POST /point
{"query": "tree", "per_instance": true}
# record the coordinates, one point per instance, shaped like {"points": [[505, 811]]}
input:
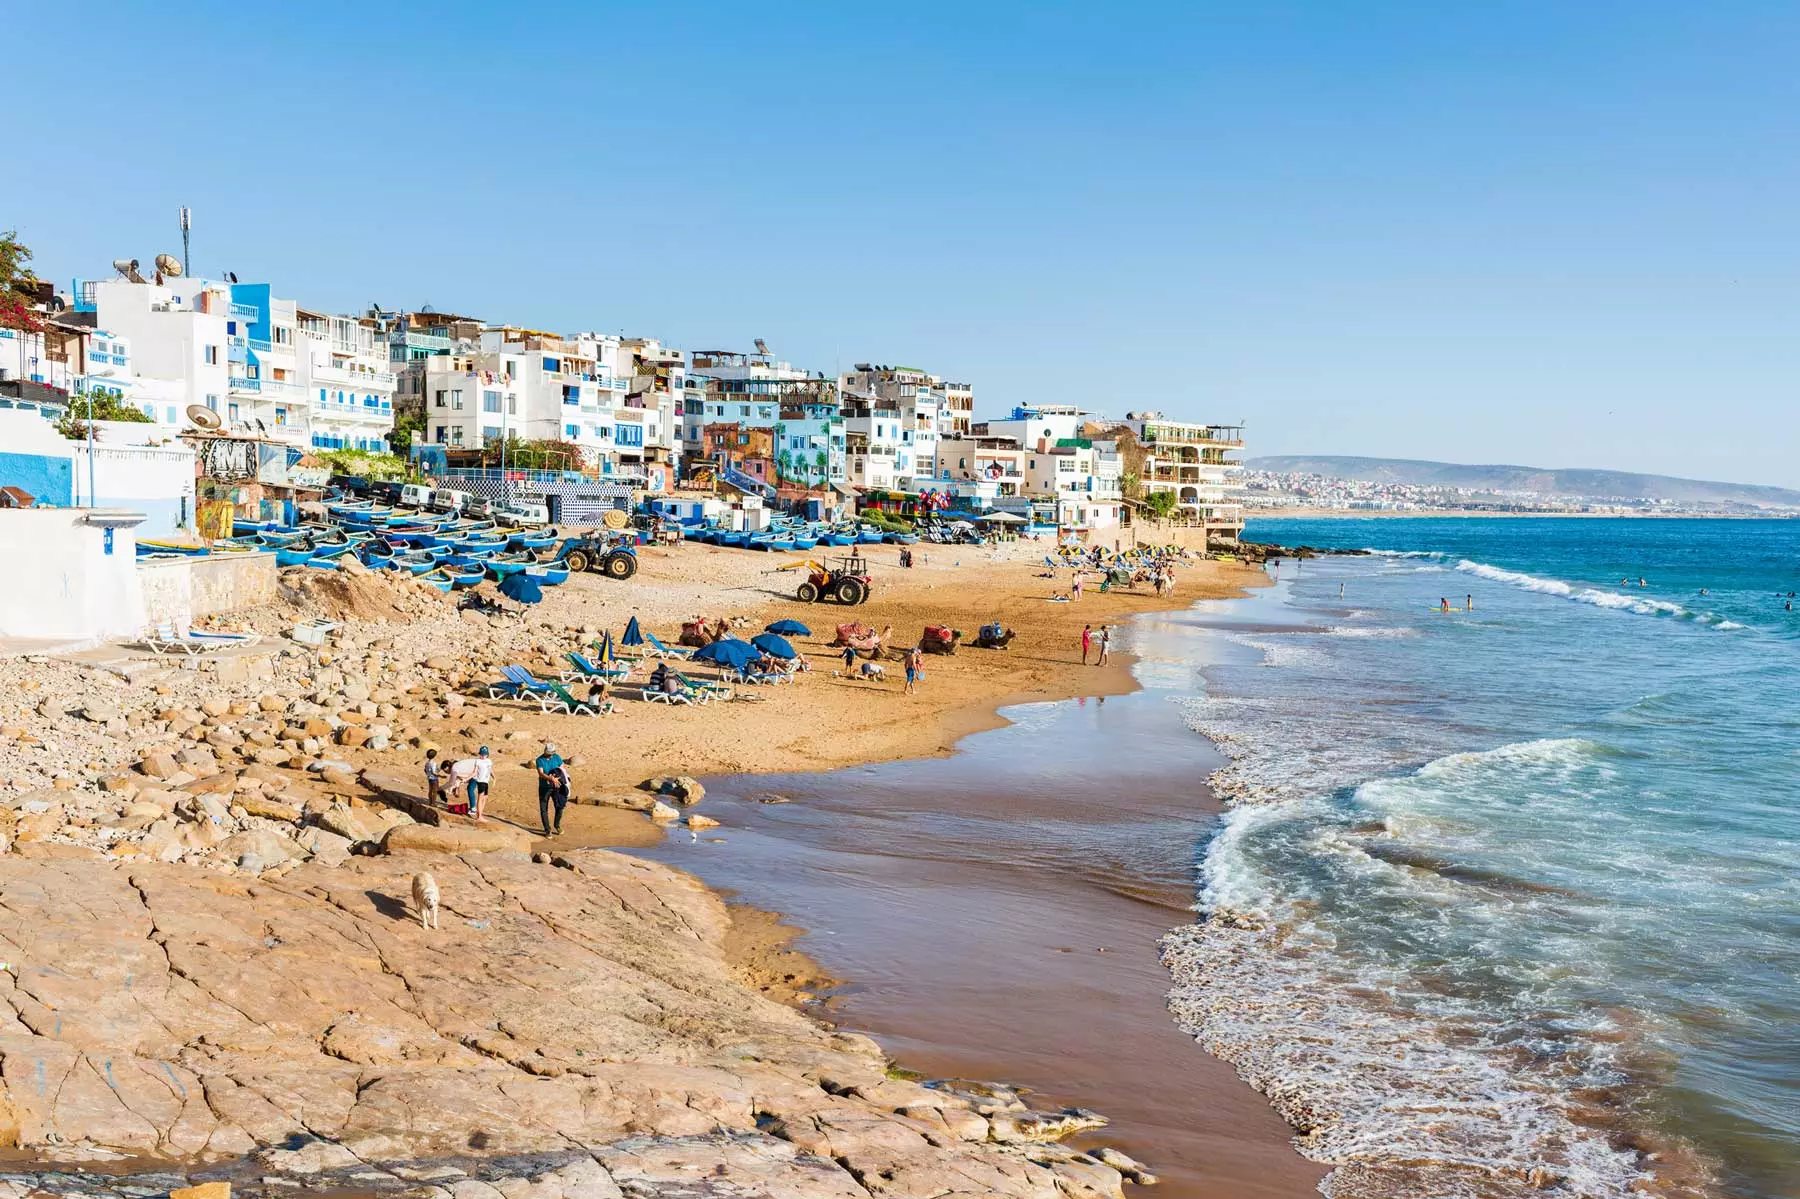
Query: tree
{"points": [[16, 282], [1161, 504], [106, 406], [405, 425]]}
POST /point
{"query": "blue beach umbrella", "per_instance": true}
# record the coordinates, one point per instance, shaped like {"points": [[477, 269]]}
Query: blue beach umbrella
{"points": [[789, 628], [633, 634], [605, 648], [774, 646], [730, 653], [521, 587]]}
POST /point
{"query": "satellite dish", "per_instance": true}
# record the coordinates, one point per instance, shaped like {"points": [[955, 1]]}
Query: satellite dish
{"points": [[203, 416], [168, 265]]}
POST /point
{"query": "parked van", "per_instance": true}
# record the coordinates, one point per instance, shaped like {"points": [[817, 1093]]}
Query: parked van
{"points": [[414, 495], [522, 512], [447, 500]]}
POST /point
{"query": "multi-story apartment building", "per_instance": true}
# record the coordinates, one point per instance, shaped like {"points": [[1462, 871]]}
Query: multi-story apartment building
{"points": [[1080, 477], [877, 447], [657, 391], [345, 376], [179, 337], [956, 414], [412, 338], [801, 409], [1192, 462], [919, 403]]}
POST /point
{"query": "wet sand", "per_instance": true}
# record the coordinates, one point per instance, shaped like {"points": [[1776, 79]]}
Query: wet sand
{"points": [[997, 913]]}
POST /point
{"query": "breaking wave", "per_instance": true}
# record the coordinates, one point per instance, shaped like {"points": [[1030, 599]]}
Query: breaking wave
{"points": [[1598, 597], [1410, 1088]]}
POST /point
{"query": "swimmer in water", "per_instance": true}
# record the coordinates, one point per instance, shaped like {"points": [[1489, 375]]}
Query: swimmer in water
{"points": [[1703, 591], [1641, 583], [1468, 603]]}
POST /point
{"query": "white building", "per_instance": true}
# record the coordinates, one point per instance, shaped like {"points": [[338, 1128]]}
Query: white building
{"points": [[1190, 461], [919, 403], [179, 338], [345, 375]]}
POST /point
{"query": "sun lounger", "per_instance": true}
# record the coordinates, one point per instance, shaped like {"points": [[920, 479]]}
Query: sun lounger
{"points": [[517, 682], [656, 695], [165, 638], [659, 650], [556, 698], [705, 690], [764, 676], [584, 669]]}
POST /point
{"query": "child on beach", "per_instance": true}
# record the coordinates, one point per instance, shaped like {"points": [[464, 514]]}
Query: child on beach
{"points": [[434, 778], [1087, 641], [1105, 640]]}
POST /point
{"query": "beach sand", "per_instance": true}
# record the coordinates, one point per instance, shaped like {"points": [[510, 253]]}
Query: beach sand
{"points": [[980, 965]]}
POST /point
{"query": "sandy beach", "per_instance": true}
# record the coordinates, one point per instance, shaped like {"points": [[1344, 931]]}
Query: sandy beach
{"points": [[1069, 1005]]}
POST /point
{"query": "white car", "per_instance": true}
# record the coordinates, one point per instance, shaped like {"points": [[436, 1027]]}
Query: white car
{"points": [[517, 512]]}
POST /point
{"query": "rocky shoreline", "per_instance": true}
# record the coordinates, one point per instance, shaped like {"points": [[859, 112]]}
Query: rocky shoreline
{"points": [[213, 972], [571, 1029]]}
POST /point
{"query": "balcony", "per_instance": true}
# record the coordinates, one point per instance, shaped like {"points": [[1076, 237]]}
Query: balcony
{"points": [[246, 312], [262, 345], [422, 341], [344, 377]]}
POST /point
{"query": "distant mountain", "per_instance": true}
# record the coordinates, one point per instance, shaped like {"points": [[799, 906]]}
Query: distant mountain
{"points": [[1589, 483]]}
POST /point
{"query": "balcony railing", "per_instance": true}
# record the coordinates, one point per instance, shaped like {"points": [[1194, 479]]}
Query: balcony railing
{"points": [[354, 378], [262, 345], [248, 312], [421, 341]]}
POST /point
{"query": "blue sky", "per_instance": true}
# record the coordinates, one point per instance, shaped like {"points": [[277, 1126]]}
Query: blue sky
{"points": [[1549, 233]]}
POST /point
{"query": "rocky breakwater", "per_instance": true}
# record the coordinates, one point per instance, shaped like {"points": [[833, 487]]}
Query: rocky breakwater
{"points": [[571, 1029]]}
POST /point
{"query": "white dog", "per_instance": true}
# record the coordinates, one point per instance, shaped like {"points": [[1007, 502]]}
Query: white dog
{"points": [[425, 898]]}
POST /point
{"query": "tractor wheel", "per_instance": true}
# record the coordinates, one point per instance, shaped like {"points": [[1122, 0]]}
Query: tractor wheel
{"points": [[851, 592], [620, 566], [577, 561], [867, 592], [807, 593]]}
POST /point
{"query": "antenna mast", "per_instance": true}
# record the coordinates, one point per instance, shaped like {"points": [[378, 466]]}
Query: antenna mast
{"points": [[187, 223]]}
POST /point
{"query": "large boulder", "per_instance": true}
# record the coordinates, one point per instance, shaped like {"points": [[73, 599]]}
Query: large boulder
{"points": [[676, 788], [350, 824], [447, 838]]}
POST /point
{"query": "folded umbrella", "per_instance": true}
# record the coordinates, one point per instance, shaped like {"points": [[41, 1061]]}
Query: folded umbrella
{"points": [[633, 635]]}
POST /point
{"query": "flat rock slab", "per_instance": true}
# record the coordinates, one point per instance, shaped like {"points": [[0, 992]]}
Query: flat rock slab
{"points": [[167, 1012]]}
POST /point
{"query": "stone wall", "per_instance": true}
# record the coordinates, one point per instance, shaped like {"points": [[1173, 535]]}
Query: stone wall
{"points": [[177, 589]]}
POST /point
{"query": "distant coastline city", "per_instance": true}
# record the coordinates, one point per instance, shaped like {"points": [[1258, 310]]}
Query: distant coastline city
{"points": [[1367, 486]]}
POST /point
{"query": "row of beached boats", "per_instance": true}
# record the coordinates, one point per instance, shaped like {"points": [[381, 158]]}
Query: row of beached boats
{"points": [[796, 535], [447, 552]]}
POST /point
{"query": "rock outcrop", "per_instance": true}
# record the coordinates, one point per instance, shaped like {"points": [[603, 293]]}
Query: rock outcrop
{"points": [[571, 1029]]}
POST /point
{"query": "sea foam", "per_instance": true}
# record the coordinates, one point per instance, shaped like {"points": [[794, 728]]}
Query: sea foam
{"points": [[1598, 597]]}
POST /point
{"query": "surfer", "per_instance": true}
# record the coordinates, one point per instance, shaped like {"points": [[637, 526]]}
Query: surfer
{"points": [[1444, 602]]}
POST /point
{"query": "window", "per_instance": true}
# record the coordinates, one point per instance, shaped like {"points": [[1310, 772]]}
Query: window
{"points": [[283, 335], [571, 431], [456, 435], [490, 432], [443, 434], [490, 401], [210, 355], [512, 404], [232, 413], [456, 399], [440, 397], [212, 402], [281, 416]]}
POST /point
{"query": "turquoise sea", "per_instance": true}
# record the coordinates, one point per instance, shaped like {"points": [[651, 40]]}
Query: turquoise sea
{"points": [[1508, 899]]}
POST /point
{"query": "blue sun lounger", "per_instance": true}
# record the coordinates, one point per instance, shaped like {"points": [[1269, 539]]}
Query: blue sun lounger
{"points": [[659, 650]]}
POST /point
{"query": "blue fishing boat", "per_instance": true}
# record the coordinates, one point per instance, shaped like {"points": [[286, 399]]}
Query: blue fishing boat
{"points": [[548, 576], [869, 535], [499, 568], [439, 579]]}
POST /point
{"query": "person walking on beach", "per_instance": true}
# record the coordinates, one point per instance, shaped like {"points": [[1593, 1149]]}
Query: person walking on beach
{"points": [[462, 775], [1075, 587], [553, 787], [849, 657], [1087, 641], [913, 657], [434, 778], [1105, 643], [478, 785]]}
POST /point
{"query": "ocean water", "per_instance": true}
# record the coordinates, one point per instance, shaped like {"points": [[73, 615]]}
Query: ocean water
{"points": [[1508, 900]]}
